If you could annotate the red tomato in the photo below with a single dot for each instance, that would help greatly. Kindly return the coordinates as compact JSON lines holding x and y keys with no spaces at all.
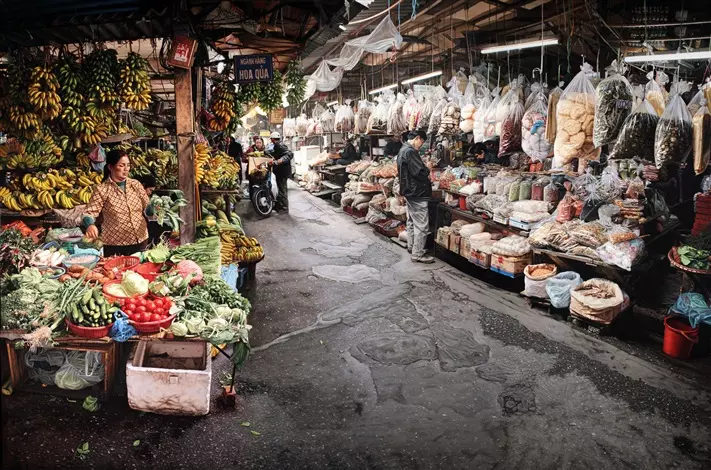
{"x":141,"y":302}
{"x":150,"y":306}
{"x":134,"y":317}
{"x":140,"y":309}
{"x":155,"y":317}
{"x":158,"y":303}
{"x":128,"y":311}
{"x":129,"y":302}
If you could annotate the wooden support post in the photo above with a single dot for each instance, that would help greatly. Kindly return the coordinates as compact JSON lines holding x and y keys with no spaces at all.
{"x":184,"y":122}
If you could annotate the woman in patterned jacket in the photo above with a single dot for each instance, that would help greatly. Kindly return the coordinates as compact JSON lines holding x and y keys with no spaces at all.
{"x":123,"y":204}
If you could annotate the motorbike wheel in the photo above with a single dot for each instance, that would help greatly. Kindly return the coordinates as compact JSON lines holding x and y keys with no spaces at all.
{"x":263,"y":201}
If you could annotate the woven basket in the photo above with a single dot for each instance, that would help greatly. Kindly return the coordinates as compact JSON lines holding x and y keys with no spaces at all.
{"x":673,"y":256}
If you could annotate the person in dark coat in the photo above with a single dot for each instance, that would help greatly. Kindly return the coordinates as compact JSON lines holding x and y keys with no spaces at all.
{"x":392,"y":148}
{"x":234,"y":150}
{"x":349,"y":154}
{"x":416,"y":188}
{"x":282,"y":170}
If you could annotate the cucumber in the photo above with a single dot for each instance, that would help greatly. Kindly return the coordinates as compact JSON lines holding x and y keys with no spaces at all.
{"x":75,"y":312}
{"x":100,"y":301}
{"x":97,"y":295}
{"x":85,"y":298}
{"x":113,"y":310}
{"x":92,"y":304}
{"x":84,"y":309}
{"x":103,"y":308}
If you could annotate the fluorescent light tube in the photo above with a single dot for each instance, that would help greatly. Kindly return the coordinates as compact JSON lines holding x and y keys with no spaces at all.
{"x":422,"y":77}
{"x":331,"y":103}
{"x":696,"y":55}
{"x":520,"y":45}
{"x":386,"y":87}
{"x":342,"y":27}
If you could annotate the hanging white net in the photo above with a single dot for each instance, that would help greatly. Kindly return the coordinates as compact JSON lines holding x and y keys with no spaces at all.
{"x":383,"y":37}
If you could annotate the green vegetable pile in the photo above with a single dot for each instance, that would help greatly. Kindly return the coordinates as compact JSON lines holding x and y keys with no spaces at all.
{"x":166,"y":209}
{"x":28,"y":301}
{"x":694,"y":257}
{"x":15,"y":251}
{"x":205,"y":252}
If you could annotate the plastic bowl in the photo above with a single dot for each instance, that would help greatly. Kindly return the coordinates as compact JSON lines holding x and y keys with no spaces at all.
{"x":68,"y":261}
{"x":149,"y":271}
{"x":121,"y":264}
{"x":88,"y":331}
{"x":113,"y":298}
{"x":152,"y":326}
{"x":58,"y":271}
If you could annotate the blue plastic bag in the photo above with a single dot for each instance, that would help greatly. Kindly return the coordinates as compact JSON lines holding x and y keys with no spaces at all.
{"x":693,"y":306}
{"x":558,"y":288}
{"x":122,"y":330}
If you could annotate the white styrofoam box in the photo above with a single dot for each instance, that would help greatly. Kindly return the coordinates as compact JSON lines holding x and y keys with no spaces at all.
{"x":382,"y":142}
{"x":171,"y":390}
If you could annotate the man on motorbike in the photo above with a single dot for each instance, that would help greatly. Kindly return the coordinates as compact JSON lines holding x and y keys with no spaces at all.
{"x":282,"y":170}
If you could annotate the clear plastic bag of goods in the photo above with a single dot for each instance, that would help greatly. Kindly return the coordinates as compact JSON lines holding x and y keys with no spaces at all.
{"x":597,"y":299}
{"x":513,"y":245}
{"x":537,"y":89}
{"x":471,"y":229}
{"x":608,"y":215}
{"x":541,"y":236}
{"x":479,"y":119}
{"x":451,"y":115}
{"x":592,"y":234}
{"x":551,"y":123}
{"x":302,"y":125}
{"x":558,"y":288}
{"x":423,"y":120}
{"x":566,"y":209}
{"x":43,"y":365}
{"x":289,"y":127}
{"x":328,"y":122}
{"x":506,"y":105}
{"x":533,"y":127}
{"x":655,"y":95}
{"x":344,"y":119}
{"x":81,"y":369}
{"x":614,"y":104}
{"x":524,"y":192}
{"x":490,"y":119}
{"x":511,"y":130}
{"x":365,"y":110}
{"x":530,"y":206}
{"x":535,"y":279}
{"x":575,"y":120}
{"x":411,"y":110}
{"x":551,"y":194}
{"x":701,"y":135}
{"x":619,"y":234}
{"x":637,"y":134}
{"x":514,"y":190}
{"x":436,"y":117}
{"x":695,"y":102}
{"x":609,"y":187}
{"x":672,"y":141}
{"x":397,"y":124}
{"x":624,"y":254}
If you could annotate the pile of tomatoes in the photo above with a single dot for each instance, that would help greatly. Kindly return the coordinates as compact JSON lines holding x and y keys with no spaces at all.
{"x":147,"y":310}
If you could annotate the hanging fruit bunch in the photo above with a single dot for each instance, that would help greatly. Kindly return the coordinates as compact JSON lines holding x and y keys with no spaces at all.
{"x":135,"y":84}
{"x":65,"y":189}
{"x":249,"y":94}
{"x":295,"y":84}
{"x":222,"y":107}
{"x":164,"y":165}
{"x":228,"y":171}
{"x":42,"y":93}
{"x":100,"y":73}
{"x":202,"y":155}
{"x":43,"y":151}
{"x":271,"y":96}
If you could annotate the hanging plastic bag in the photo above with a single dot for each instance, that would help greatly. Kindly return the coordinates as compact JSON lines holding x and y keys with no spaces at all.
{"x":654,"y":94}
{"x":558,"y":288}
{"x":511,"y":130}
{"x":344,"y":119}
{"x":533,"y":125}
{"x":450,"y":119}
{"x":479,"y":118}
{"x":614,"y":104}
{"x":397,"y":124}
{"x":81,"y":369}
{"x":411,"y":110}
{"x":490,"y":119}
{"x":695,"y":103}
{"x":506,"y":105}
{"x":636,"y":136}
{"x":701,"y":134}
{"x":672,"y":142}
{"x":436,"y":118}
{"x":365,"y":110}
{"x":328,"y":122}
{"x":575,"y":119}
{"x":553,"y":99}
{"x":423,"y":120}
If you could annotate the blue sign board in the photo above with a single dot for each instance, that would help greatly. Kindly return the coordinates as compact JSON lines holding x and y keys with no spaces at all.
{"x":254,"y":68}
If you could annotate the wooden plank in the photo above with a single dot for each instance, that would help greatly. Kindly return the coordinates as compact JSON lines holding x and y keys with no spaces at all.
{"x":184,"y":123}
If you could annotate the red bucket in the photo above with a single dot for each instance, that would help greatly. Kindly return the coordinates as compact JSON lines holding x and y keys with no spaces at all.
{"x":679,"y":337}
{"x":463,"y":203}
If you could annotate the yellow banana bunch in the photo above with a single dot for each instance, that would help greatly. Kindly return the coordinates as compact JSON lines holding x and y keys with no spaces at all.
{"x":24,"y":120}
{"x":134,"y":83}
{"x":202,"y":156}
{"x":222,"y":107}
{"x":42,"y":93}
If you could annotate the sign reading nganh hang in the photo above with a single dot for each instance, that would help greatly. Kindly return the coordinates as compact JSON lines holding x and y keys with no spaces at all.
{"x":253,"y":68}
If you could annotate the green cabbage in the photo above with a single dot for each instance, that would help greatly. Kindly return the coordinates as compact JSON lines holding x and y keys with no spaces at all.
{"x":179,"y":329}
{"x":134,"y":284}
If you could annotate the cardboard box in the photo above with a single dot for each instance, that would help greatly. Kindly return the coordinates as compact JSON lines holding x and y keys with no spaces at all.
{"x":454,"y":242}
{"x":443,"y":234}
{"x":511,"y":264}
{"x":465,"y":248}
{"x":481,"y":259}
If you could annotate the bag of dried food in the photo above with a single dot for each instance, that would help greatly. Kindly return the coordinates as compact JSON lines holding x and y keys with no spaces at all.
{"x":558,"y":288}
{"x":701,"y":134}
{"x":614,"y":104}
{"x":365,"y":109}
{"x":655,"y":95}
{"x":533,"y":126}
{"x":490,"y":119}
{"x":423,"y":120}
{"x":553,"y":99}
{"x":506,"y":105}
{"x":695,"y":102}
{"x":450,"y":119}
{"x":411,"y":109}
{"x":479,"y":119}
{"x":511,"y":130}
{"x":672,"y":141}
{"x":576,"y":116}
{"x":436,"y":117}
{"x":636,"y":137}
{"x":536,"y":278}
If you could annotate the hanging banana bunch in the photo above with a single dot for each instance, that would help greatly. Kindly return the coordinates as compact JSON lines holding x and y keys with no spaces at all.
{"x":222,"y":107}
{"x":42,"y":93}
{"x":272,"y":93}
{"x":135,"y":84}
{"x":100,"y":73}
{"x":250,"y":94}
{"x":202,"y":156}
{"x":295,"y":84}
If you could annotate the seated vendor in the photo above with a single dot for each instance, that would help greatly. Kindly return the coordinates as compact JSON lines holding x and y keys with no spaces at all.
{"x":349,"y":154}
{"x":392,"y":148}
{"x":484,"y":154}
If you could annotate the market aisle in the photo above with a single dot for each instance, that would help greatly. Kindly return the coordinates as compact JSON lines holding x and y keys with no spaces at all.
{"x":364,"y":360}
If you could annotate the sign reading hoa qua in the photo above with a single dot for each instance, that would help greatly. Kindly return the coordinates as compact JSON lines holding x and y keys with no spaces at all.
{"x":254,"y":68}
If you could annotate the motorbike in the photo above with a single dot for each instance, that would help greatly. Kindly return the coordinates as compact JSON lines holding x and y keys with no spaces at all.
{"x":261,"y":190}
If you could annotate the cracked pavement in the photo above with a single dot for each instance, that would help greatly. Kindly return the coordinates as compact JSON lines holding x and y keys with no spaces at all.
{"x":363,"y":359}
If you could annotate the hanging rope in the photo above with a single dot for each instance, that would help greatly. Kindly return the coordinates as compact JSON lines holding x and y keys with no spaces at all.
{"x":414,"y":10}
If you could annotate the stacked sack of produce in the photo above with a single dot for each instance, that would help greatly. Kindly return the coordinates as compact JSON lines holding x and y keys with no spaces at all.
{"x":536,"y":278}
{"x":513,"y":245}
{"x":598,"y":300}
{"x":529,"y":211}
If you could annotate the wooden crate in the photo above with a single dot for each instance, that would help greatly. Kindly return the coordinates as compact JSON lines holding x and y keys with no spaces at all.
{"x":442,"y":238}
{"x":510,"y":264}
{"x":454,"y":242}
{"x":481,"y":259}
{"x":465,"y":249}
{"x":108,"y":349}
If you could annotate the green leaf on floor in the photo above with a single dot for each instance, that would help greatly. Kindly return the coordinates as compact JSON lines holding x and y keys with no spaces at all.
{"x":136,"y":443}
{"x":246,"y":424}
{"x":255,"y":433}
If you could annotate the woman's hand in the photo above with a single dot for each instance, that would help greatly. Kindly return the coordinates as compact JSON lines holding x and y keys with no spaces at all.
{"x":92,"y":232}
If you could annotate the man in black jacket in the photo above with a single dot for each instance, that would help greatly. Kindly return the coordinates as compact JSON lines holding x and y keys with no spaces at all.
{"x":282,"y":170}
{"x":415,"y":186}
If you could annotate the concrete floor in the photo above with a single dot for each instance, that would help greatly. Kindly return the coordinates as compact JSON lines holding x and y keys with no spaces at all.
{"x":365,"y":360}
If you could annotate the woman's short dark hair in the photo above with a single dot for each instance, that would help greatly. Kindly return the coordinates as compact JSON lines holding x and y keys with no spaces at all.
{"x":112,"y":158}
